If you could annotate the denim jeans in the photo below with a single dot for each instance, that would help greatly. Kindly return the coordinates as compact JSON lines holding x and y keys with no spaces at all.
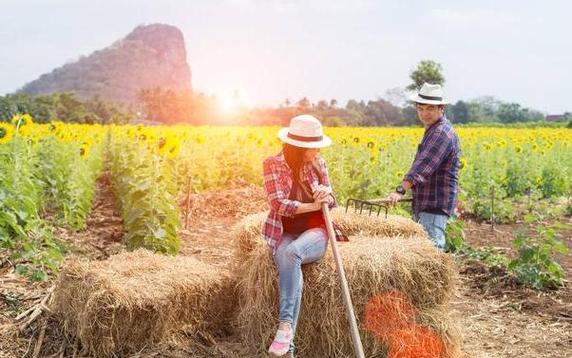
{"x":434,"y":225}
{"x":310,"y":246}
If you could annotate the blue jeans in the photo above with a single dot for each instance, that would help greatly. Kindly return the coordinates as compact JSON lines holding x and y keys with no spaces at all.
{"x":434,"y":225}
{"x":310,"y":246}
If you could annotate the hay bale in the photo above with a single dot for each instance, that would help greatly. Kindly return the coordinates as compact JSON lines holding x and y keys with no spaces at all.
{"x":137,"y":299}
{"x":354,"y":223}
{"x":374,"y":266}
{"x":248,"y":232}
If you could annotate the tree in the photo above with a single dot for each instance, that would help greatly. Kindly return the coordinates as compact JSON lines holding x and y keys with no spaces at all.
{"x":483,"y":109}
{"x":427,"y":71}
{"x":396,"y":96}
{"x":460,"y":112}
{"x":409,"y":116}
{"x":303,"y":105}
{"x":322,"y":105}
{"x":510,"y":113}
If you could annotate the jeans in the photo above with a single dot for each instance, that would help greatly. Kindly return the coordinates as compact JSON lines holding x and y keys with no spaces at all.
{"x":310,"y":246}
{"x":434,"y":225}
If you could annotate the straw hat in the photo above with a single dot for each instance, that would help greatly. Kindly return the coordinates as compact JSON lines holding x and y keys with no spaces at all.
{"x":305,"y":131}
{"x":430,"y":94}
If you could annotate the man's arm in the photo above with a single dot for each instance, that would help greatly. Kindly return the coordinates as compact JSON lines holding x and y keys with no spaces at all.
{"x":437,"y":148}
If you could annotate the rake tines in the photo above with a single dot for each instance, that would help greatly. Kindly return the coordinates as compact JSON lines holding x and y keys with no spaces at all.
{"x":360,"y":205}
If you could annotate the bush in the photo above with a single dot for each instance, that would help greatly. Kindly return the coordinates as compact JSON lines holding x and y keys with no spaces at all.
{"x":535,"y":265}
{"x":454,"y":235}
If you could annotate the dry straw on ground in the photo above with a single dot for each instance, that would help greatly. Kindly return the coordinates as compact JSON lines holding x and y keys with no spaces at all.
{"x":135,"y":300}
{"x":406,"y":263}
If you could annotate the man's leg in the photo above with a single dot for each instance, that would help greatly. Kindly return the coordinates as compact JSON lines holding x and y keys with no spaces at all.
{"x":434,"y":225}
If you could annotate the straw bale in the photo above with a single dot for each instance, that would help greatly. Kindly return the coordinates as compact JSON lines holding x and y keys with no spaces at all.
{"x":374,"y":266}
{"x":248,"y":231}
{"x":135,"y":300}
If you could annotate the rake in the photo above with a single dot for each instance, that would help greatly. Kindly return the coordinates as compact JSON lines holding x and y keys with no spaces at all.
{"x":372,"y":205}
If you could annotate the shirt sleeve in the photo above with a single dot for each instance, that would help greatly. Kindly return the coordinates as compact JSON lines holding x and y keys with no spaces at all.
{"x":276,"y":193}
{"x":433,"y":153}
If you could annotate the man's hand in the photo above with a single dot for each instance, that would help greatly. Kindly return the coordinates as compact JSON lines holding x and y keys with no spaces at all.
{"x":393,"y":198}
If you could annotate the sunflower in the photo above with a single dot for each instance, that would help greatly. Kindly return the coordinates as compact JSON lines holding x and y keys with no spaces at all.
{"x":84,"y":150}
{"x":462,"y":163}
{"x":6,"y":133}
{"x":20,"y":120}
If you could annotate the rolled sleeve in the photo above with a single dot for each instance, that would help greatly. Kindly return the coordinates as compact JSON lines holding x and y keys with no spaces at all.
{"x":277,"y":198}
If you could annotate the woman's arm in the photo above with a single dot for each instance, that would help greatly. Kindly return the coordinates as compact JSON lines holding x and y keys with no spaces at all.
{"x":309,"y":207}
{"x":275,"y":192}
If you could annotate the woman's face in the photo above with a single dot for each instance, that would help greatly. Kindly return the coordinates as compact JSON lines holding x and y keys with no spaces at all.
{"x":310,"y":154}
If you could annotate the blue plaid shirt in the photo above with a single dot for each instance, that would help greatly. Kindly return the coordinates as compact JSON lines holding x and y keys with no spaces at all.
{"x":435,"y":170}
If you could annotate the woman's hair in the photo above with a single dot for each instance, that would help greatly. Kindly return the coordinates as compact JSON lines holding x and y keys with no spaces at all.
{"x":294,"y":158}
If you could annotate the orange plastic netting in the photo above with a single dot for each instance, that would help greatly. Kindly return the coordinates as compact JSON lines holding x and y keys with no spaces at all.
{"x":390,"y":317}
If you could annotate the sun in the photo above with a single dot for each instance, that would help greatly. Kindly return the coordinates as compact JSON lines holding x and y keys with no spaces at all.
{"x":227,"y":103}
{"x":231,"y":102}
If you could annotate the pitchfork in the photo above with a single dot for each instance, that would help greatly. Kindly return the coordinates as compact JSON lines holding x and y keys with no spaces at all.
{"x":372,"y":204}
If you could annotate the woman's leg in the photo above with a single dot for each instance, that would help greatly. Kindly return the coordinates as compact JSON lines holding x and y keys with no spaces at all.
{"x":288,"y":279}
{"x":310,"y":246}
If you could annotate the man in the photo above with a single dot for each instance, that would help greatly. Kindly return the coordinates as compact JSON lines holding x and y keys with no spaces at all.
{"x":433,"y":177}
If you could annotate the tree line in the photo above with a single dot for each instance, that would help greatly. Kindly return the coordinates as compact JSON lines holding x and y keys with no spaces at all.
{"x":185,"y":106}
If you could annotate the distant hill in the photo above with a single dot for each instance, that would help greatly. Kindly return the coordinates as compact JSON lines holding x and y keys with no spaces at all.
{"x":150,"y":56}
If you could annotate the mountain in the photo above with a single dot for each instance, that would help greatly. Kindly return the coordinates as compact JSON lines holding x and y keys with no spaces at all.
{"x":150,"y":56}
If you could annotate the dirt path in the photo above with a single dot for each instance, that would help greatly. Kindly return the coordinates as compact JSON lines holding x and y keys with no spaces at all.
{"x":498,"y":318}
{"x":100,"y":239}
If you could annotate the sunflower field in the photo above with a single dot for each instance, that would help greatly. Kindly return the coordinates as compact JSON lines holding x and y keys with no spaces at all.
{"x":48,"y":174}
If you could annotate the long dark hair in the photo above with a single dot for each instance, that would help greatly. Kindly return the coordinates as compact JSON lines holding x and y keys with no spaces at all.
{"x":294,"y":157}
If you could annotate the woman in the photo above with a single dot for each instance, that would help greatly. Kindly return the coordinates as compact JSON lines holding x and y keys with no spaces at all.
{"x":296,"y":182}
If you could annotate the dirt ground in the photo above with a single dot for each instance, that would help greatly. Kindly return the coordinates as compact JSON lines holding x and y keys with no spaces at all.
{"x":499,"y":318}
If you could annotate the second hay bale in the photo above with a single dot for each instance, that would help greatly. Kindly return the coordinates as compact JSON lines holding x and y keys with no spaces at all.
{"x":134,"y":300}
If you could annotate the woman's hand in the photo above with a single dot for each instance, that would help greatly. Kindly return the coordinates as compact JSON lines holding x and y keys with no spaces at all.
{"x":322,"y":194}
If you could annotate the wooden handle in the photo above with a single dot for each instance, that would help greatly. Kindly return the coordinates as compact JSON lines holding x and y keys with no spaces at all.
{"x":358,"y":348}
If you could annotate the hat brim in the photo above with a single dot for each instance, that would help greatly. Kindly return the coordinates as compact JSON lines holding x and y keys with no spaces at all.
{"x":417,"y":99}
{"x":283,"y":136}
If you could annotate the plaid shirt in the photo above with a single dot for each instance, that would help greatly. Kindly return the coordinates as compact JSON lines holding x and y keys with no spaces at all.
{"x":278,"y":183}
{"x":435,"y":170}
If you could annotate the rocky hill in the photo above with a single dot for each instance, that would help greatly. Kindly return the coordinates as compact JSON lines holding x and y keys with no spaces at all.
{"x":150,"y":56}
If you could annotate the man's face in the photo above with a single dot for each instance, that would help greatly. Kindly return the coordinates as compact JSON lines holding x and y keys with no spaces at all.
{"x":429,"y":113}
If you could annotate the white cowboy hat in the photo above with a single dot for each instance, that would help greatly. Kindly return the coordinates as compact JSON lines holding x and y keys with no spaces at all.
{"x":305,"y":131}
{"x":430,"y":94}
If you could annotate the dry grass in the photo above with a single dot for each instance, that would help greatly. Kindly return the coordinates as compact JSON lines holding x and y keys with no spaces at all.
{"x":134,"y":300}
{"x":354,"y":223}
{"x":374,"y":265}
{"x":248,"y":232}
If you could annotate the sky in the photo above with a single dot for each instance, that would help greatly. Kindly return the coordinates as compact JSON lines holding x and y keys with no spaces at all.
{"x":270,"y":50}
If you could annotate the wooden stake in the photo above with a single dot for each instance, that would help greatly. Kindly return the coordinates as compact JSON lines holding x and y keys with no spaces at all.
{"x":40,"y":340}
{"x":188,"y":208}
{"x":38,"y":309}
